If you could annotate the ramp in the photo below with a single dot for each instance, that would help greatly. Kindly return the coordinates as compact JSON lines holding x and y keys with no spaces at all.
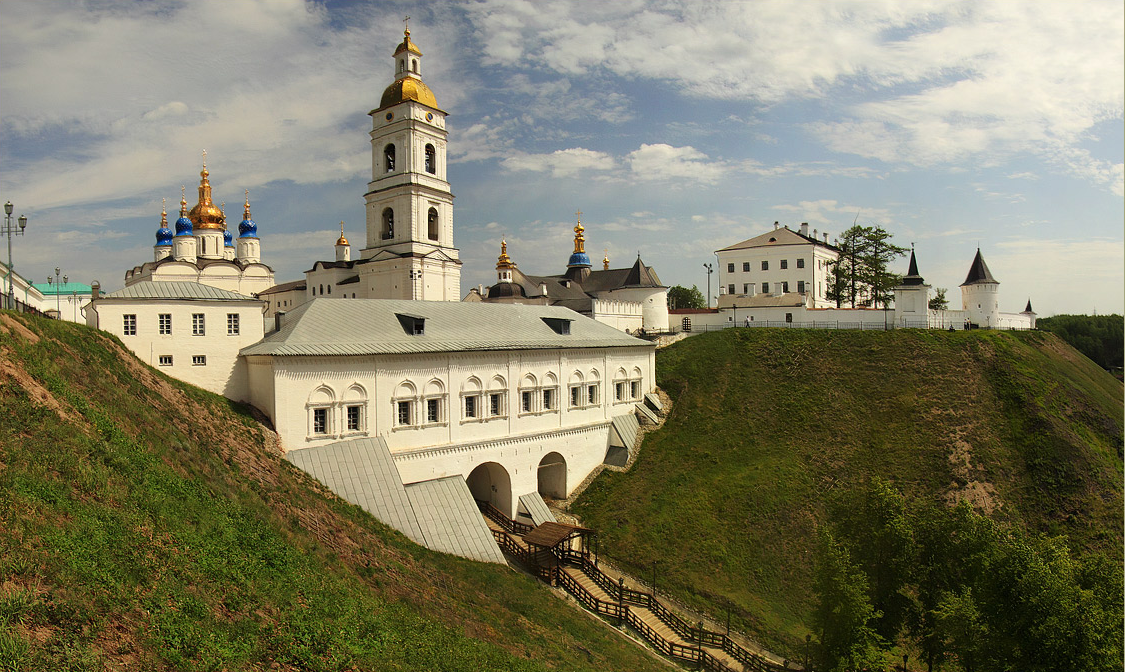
{"x":450,"y":520}
{"x":647,"y":413}
{"x":362,"y":472}
{"x":537,"y":508}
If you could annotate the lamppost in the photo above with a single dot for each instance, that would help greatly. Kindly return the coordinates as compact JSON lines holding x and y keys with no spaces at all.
{"x":710,"y":270}
{"x":9,"y":231}
{"x":58,"y":288}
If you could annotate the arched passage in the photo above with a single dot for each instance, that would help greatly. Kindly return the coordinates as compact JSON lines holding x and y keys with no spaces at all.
{"x":552,"y":476}
{"x":490,"y":482}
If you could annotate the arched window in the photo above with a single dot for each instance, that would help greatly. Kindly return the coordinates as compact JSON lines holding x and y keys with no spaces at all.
{"x":319,"y":407}
{"x":355,"y":409}
{"x":434,"y":400}
{"x":414,"y":64}
{"x":329,"y":289}
{"x":322,"y":290}
{"x":528,"y":394}
{"x":433,"y":224}
{"x":405,"y":414}
{"x":402,"y":65}
{"x":388,"y":224}
{"x":389,"y":158}
{"x":431,"y":159}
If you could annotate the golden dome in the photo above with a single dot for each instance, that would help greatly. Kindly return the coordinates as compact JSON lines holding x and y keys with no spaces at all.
{"x":407,"y":45}
{"x":205,"y":215}
{"x":342,"y":240}
{"x":504,"y":261}
{"x":408,"y":88}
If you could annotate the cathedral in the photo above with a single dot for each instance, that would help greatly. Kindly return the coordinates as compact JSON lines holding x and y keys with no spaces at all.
{"x":203,"y":250}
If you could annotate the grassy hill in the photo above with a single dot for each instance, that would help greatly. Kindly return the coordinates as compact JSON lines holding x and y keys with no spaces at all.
{"x":772,"y":430}
{"x":146,"y":524}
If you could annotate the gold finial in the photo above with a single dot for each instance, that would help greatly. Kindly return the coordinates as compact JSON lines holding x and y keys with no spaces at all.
{"x":342,"y":240}
{"x":246,"y":212}
{"x":504,"y":261}
{"x":579,"y":240}
{"x":183,"y":201}
{"x":204,"y":172}
{"x":605,"y":260}
{"x":164,"y":213}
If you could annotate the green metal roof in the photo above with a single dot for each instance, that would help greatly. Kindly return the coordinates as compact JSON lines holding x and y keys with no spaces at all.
{"x":51,"y":289}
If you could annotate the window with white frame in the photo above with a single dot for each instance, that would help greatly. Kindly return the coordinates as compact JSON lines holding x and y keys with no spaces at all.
{"x":577,"y":390}
{"x":575,"y":396}
{"x":471,"y":399}
{"x":198,"y":325}
{"x":471,"y":411}
{"x":165,"y":360}
{"x":320,"y":421}
{"x":496,"y":404}
{"x":592,"y":397}
{"x":528,"y":393}
{"x":403,"y":403}
{"x":620,"y":390}
{"x":165,"y":320}
{"x":434,"y":402}
{"x":354,"y":417}
{"x":232,"y":324}
{"x":549,"y":399}
{"x":129,"y":328}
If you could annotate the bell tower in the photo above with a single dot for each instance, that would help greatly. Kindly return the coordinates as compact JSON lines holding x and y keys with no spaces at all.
{"x":409,"y":252}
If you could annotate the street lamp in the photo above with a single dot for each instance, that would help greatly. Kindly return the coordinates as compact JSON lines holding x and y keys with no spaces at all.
{"x":710,"y":270}
{"x":9,"y":231}
{"x":58,"y":288}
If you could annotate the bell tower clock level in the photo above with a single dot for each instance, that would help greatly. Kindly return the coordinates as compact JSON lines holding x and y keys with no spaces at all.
{"x":409,"y":252}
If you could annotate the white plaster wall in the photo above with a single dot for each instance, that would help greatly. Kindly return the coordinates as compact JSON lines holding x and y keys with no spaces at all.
{"x":224,"y":373}
{"x":982,"y":303}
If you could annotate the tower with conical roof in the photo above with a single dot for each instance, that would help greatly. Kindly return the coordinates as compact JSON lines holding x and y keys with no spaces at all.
{"x":912,"y":298}
{"x":409,"y":252}
{"x":980,"y":295}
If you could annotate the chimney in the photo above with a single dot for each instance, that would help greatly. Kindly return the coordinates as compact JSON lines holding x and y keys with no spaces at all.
{"x":277,"y":320}
{"x":480,"y":290}
{"x":95,"y":290}
{"x":804,"y":228}
{"x":542,"y":289}
{"x":825,"y":237}
{"x":775,"y":226}
{"x":815,"y":235}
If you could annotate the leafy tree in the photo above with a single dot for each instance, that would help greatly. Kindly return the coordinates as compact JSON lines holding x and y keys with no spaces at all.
{"x":878,"y":253}
{"x":1099,"y":337}
{"x":682,"y":297}
{"x":961,"y":628}
{"x":938,"y":301}
{"x":844,"y":613}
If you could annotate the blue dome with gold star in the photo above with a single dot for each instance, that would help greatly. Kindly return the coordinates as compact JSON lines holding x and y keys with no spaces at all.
{"x":247,"y":228}
{"x":228,"y":239}
{"x":163,"y":234}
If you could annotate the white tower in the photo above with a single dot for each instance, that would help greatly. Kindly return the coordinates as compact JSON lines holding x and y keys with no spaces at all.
{"x":912,"y":298}
{"x":980,"y":295}
{"x":409,"y":204}
{"x":184,"y":244}
{"x":249,"y":247}
{"x":343,"y":247}
{"x":208,"y":221}
{"x":163,"y":247}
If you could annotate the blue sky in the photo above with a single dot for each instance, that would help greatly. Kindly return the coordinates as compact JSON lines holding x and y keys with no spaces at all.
{"x":677,"y":128}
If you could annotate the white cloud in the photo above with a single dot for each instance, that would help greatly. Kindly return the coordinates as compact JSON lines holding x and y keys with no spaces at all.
{"x":664,"y":162}
{"x":561,"y":163}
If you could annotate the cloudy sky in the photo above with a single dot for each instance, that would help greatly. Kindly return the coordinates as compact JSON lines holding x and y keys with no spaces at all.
{"x":677,"y":128}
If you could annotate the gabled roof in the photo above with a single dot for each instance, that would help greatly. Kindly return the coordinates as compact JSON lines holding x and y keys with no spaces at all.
{"x":372,"y":327}
{"x":778,"y":237}
{"x":191,"y":291}
{"x":979,"y":273}
{"x":284,"y":287}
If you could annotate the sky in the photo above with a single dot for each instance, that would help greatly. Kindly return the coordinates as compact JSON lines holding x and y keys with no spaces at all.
{"x":676,"y":128}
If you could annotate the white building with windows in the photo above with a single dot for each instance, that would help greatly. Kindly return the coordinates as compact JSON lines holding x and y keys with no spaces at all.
{"x":189,"y":330}
{"x":776,"y":269}
{"x":453,"y":386}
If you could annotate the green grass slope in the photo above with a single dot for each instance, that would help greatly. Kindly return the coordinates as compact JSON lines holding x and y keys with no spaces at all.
{"x":771,"y":429}
{"x":146,"y":524}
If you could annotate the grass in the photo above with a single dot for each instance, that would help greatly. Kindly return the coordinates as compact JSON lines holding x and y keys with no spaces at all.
{"x":147,"y":523}
{"x":772,"y":428}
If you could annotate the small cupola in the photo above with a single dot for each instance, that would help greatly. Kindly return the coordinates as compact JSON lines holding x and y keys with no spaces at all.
{"x":183,"y":224}
{"x":247,"y":228}
{"x":163,"y":234}
{"x":343,"y":247}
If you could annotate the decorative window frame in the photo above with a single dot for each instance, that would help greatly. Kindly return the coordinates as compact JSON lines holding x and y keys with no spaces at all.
{"x":496,"y":386}
{"x":323,"y":398}
{"x":433,"y":391}
{"x":354,"y":397}
{"x":405,"y":392}
{"x":576,"y":391}
{"x":472,"y":389}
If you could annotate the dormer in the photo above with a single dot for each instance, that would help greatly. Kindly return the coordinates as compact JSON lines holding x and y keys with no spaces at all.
{"x":560,"y":325}
{"x":413,"y":325}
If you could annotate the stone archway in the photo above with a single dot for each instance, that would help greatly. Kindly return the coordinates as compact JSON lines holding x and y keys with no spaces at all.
{"x":552,"y":476}
{"x":490,"y":482}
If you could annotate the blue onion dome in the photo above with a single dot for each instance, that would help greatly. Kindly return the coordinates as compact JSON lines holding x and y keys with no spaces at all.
{"x":579,"y":259}
{"x":228,"y":239}
{"x":163,"y":234}
{"x":183,"y":224}
{"x":247,"y":228}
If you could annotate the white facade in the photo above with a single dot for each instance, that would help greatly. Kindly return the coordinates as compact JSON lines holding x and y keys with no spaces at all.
{"x":188,"y":331}
{"x":777,"y":262}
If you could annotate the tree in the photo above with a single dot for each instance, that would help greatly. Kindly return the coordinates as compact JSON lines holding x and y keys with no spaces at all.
{"x":846,"y":274}
{"x":844,"y":613}
{"x":878,"y":251}
{"x":682,"y":297}
{"x":1098,"y":336}
{"x":939,"y":302}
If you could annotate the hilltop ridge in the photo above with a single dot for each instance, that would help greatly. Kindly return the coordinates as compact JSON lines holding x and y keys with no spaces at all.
{"x":773,"y":429}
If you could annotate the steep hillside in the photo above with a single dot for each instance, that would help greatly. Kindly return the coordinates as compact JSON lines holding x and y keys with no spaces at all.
{"x":772,"y":430}
{"x":146,"y":524}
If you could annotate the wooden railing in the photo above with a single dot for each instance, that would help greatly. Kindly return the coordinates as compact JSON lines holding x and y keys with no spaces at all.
{"x":545,"y":565}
